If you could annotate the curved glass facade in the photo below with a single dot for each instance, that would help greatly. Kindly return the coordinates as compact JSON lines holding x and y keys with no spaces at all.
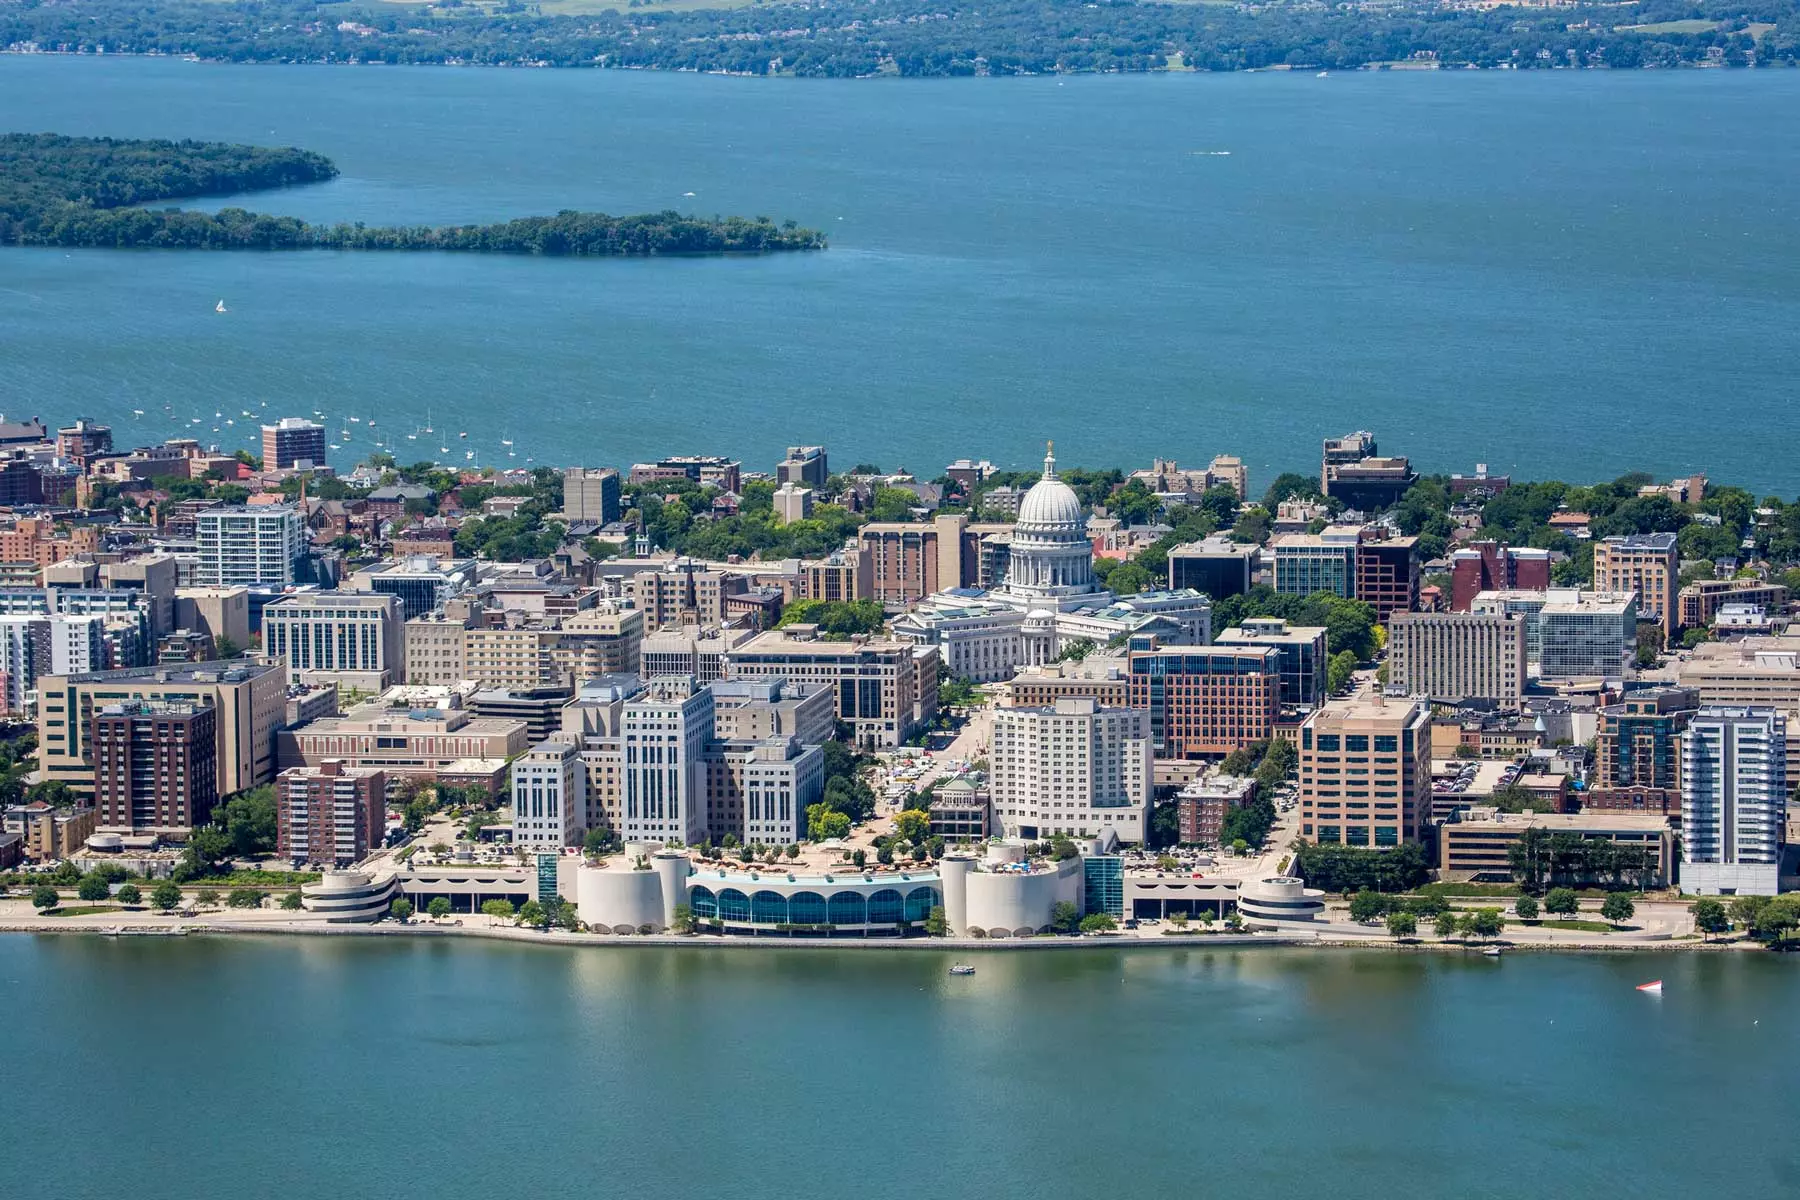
{"x":733,"y":905}
{"x":769,"y":908}
{"x":920,"y":902}
{"x":806,"y":908}
{"x":847,"y":908}
{"x":878,"y":905}
{"x":703,"y":904}
{"x":886,"y":907}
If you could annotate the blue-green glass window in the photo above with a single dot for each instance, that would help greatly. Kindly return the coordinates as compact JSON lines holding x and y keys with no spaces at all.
{"x":806,"y":908}
{"x":734,"y":905}
{"x":920,"y":902}
{"x":769,"y":908}
{"x":847,"y":908}
{"x":886,"y":907}
{"x":703,"y":904}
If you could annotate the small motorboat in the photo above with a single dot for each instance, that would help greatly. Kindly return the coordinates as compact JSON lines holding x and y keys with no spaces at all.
{"x":1491,"y":952}
{"x":962,"y":969}
{"x":1654,"y":987}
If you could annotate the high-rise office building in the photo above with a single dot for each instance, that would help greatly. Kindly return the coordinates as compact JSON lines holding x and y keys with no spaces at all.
{"x":1490,"y":567}
{"x":1733,"y":801}
{"x":1317,"y":562}
{"x":1216,"y":565}
{"x":293,"y":442}
{"x":1455,"y":656}
{"x":804,"y":466}
{"x":666,"y":731}
{"x":358,"y":638}
{"x":591,"y":494}
{"x":1365,"y":772}
{"x":1302,"y":651}
{"x":1206,"y":700}
{"x":549,"y":793}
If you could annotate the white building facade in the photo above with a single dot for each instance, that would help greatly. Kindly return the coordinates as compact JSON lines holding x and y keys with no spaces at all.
{"x":1075,"y":768}
{"x":247,"y":544}
{"x":1733,"y":801}
{"x":549,"y":789}
{"x":665,"y":733}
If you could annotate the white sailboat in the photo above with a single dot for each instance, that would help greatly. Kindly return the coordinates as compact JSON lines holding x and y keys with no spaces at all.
{"x":220,"y":307}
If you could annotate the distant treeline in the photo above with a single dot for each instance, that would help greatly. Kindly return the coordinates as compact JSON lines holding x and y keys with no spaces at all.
{"x":928,"y":37}
{"x":66,"y":191}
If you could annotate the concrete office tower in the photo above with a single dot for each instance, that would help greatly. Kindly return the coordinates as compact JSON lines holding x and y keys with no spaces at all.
{"x":792,"y":503}
{"x":293,"y":442}
{"x":1491,"y":567}
{"x":684,"y":592}
{"x":1365,"y":772}
{"x":591,"y":494}
{"x":337,"y":637}
{"x":666,"y":731}
{"x":155,"y":767}
{"x":244,"y":544}
{"x":1456,"y":656}
{"x":884,"y":688}
{"x":1648,"y":564}
{"x":1317,"y":562}
{"x":1733,"y":801}
{"x":804,"y":466}
{"x":549,"y":794}
{"x":330,"y":815}
{"x":1074,"y":768}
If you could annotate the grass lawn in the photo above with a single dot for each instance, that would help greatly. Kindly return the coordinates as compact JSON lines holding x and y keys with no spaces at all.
{"x":1446,"y":891}
{"x":1691,"y":26}
{"x":1577,"y":926}
{"x":83,"y":910}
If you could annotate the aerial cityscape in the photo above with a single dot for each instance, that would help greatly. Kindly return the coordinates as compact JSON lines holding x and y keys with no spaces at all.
{"x":576,"y":572}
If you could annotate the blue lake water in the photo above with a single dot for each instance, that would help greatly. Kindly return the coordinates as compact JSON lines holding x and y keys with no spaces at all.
{"x":1561,"y":274}
{"x":214,"y":1069}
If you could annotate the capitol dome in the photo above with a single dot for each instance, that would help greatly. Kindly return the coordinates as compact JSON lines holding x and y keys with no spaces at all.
{"x":1051,"y":505}
{"x":1051,"y":564}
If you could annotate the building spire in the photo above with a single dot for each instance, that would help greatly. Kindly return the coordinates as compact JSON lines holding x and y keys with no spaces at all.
{"x":1049,"y":460}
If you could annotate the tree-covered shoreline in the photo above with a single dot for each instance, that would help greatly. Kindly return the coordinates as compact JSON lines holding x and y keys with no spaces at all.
{"x":927,"y":38}
{"x":82,"y":192}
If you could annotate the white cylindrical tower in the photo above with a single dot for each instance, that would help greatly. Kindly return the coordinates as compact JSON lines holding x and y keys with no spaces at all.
{"x":953,"y":872}
{"x":672,"y":868}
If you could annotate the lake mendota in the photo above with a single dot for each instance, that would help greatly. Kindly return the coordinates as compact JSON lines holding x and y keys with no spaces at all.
{"x":1558,"y":273}
{"x":207,"y":1068}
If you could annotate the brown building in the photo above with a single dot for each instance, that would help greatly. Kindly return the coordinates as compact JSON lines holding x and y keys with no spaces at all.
{"x":1201,"y":806}
{"x":1387,"y":574}
{"x":1637,"y":751}
{"x":1490,"y":567}
{"x":1100,"y":677}
{"x":332,"y":815}
{"x":49,"y":833}
{"x":1206,"y":700}
{"x":251,"y":700}
{"x":1645,"y":563}
{"x":909,"y":560}
{"x":842,"y":576}
{"x":1474,"y":847}
{"x":684,"y":592}
{"x":1365,"y":772}
{"x":156,"y":767}
{"x":1699,"y":602}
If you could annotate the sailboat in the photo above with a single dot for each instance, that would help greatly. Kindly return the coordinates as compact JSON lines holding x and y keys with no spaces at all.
{"x":220,"y":307}
{"x":1654,"y":987}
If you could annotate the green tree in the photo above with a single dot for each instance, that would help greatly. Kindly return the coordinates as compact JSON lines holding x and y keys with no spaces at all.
{"x":937,"y":924}
{"x":250,"y":821}
{"x":207,"y":898}
{"x":294,"y":902}
{"x":1339,"y":670}
{"x":44,"y":896}
{"x":1526,"y":908}
{"x":1446,"y":924}
{"x":439,"y":908}
{"x":1365,"y":906}
{"x":684,"y":918}
{"x":1482,"y":923}
{"x":532,"y":913}
{"x":401,"y":909}
{"x":1561,"y":902}
{"x":207,"y":847}
{"x":1064,"y":916}
{"x":129,"y":894}
{"x":94,"y":887}
{"x":823,"y":824}
{"x":165,"y":895}
{"x":1402,"y":924}
{"x":595,"y":842}
{"x":500,"y":910}
{"x":1709,"y":917}
{"x":859,"y":859}
{"x":913,"y":824}
{"x":1617,"y":908}
{"x":1098,"y":922}
{"x":244,"y":898}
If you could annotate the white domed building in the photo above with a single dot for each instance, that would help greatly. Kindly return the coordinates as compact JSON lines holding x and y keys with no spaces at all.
{"x":1052,"y":561}
{"x":1050,"y":598}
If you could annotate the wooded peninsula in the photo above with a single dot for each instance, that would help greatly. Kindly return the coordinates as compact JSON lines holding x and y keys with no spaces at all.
{"x":77,"y":191}
{"x":918,"y":38}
